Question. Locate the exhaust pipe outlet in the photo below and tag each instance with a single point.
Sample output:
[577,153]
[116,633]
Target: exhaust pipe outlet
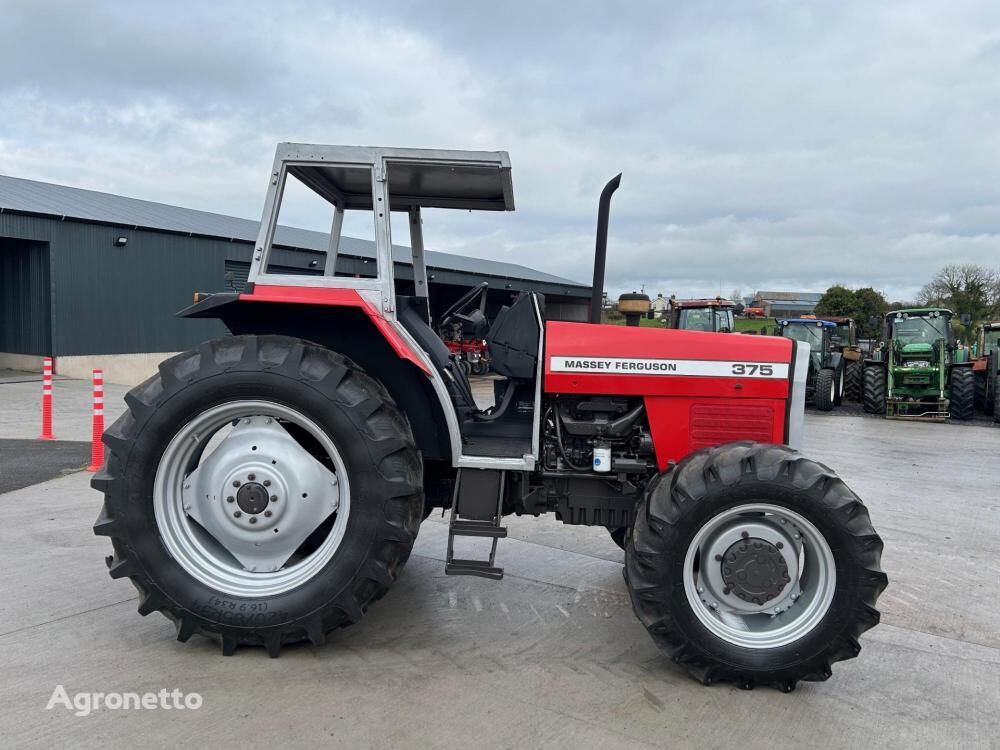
[601,249]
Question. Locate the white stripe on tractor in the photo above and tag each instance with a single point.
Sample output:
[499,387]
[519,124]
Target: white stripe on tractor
[678,367]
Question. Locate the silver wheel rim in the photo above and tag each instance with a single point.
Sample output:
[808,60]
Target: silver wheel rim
[784,618]
[205,521]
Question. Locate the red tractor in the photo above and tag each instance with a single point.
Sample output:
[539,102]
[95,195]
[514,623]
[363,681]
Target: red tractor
[267,487]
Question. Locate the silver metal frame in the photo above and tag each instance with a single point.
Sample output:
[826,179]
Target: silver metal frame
[380,291]
[797,409]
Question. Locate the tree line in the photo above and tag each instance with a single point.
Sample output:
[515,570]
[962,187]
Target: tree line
[962,288]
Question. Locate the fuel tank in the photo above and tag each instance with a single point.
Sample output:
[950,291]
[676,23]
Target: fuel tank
[700,389]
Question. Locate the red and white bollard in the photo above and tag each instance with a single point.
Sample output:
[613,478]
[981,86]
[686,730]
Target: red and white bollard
[96,446]
[47,400]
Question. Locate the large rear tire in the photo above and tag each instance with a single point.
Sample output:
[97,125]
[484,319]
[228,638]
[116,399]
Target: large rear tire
[962,393]
[996,399]
[873,398]
[826,390]
[982,403]
[255,566]
[749,563]
[853,383]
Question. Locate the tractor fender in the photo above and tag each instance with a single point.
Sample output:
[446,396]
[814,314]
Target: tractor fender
[344,322]
[836,361]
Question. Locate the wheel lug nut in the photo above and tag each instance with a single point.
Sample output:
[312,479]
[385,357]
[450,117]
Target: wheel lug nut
[267,513]
[237,514]
[718,558]
[745,534]
[236,483]
[779,545]
[253,519]
[230,499]
[251,477]
[274,498]
[267,482]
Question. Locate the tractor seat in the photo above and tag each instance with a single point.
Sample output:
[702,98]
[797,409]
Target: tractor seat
[411,312]
[512,340]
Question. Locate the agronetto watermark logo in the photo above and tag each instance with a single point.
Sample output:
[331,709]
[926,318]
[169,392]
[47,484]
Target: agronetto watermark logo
[84,704]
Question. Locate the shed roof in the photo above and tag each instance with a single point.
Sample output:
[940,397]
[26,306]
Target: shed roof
[20,195]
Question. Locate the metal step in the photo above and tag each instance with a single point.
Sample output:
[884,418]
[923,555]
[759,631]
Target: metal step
[479,568]
[476,501]
[478,528]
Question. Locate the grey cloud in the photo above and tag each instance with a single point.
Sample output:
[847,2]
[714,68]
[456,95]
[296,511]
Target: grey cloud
[769,144]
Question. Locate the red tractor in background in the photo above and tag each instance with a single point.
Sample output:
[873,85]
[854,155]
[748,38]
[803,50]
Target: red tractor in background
[267,487]
[715,314]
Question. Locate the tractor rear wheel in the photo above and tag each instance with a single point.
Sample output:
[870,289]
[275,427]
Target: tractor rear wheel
[260,490]
[962,393]
[749,563]
[996,399]
[826,390]
[873,394]
[981,397]
[852,387]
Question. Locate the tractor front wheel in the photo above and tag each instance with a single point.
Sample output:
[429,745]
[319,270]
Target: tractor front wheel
[260,490]
[962,393]
[826,390]
[873,396]
[749,563]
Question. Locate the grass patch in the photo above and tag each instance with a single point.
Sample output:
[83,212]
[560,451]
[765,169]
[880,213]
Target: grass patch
[754,324]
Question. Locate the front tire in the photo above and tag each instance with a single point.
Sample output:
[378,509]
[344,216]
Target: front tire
[962,393]
[853,380]
[252,412]
[873,399]
[791,603]
[826,390]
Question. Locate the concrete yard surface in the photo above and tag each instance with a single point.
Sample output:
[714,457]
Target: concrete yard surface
[551,656]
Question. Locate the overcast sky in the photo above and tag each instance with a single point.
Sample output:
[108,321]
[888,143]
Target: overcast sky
[763,145]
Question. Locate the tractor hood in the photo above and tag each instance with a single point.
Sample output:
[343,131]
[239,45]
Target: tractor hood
[621,360]
[699,388]
[911,350]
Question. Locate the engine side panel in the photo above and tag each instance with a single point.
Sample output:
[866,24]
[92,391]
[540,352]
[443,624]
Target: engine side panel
[700,389]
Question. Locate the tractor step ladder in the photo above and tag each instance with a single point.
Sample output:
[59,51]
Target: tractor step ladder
[476,511]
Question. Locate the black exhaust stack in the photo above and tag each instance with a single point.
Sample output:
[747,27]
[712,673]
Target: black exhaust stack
[601,250]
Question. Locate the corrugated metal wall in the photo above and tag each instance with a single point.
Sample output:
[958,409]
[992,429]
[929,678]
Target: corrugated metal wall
[121,300]
[25,322]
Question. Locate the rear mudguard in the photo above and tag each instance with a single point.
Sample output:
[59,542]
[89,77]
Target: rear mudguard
[344,321]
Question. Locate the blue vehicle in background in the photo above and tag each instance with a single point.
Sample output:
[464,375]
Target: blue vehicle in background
[826,379]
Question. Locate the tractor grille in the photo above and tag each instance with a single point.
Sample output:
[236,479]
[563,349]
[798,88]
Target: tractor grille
[916,380]
[715,424]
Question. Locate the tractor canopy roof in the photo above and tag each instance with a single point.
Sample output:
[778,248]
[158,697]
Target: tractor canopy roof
[428,178]
[920,312]
[698,303]
[807,322]
[991,325]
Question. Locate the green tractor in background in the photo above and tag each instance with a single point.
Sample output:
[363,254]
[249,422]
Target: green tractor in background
[918,371]
[826,381]
[986,366]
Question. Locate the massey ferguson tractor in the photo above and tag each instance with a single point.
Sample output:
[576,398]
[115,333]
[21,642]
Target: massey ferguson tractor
[918,372]
[266,488]
[702,315]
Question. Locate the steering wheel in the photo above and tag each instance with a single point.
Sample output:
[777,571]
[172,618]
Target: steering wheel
[458,310]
